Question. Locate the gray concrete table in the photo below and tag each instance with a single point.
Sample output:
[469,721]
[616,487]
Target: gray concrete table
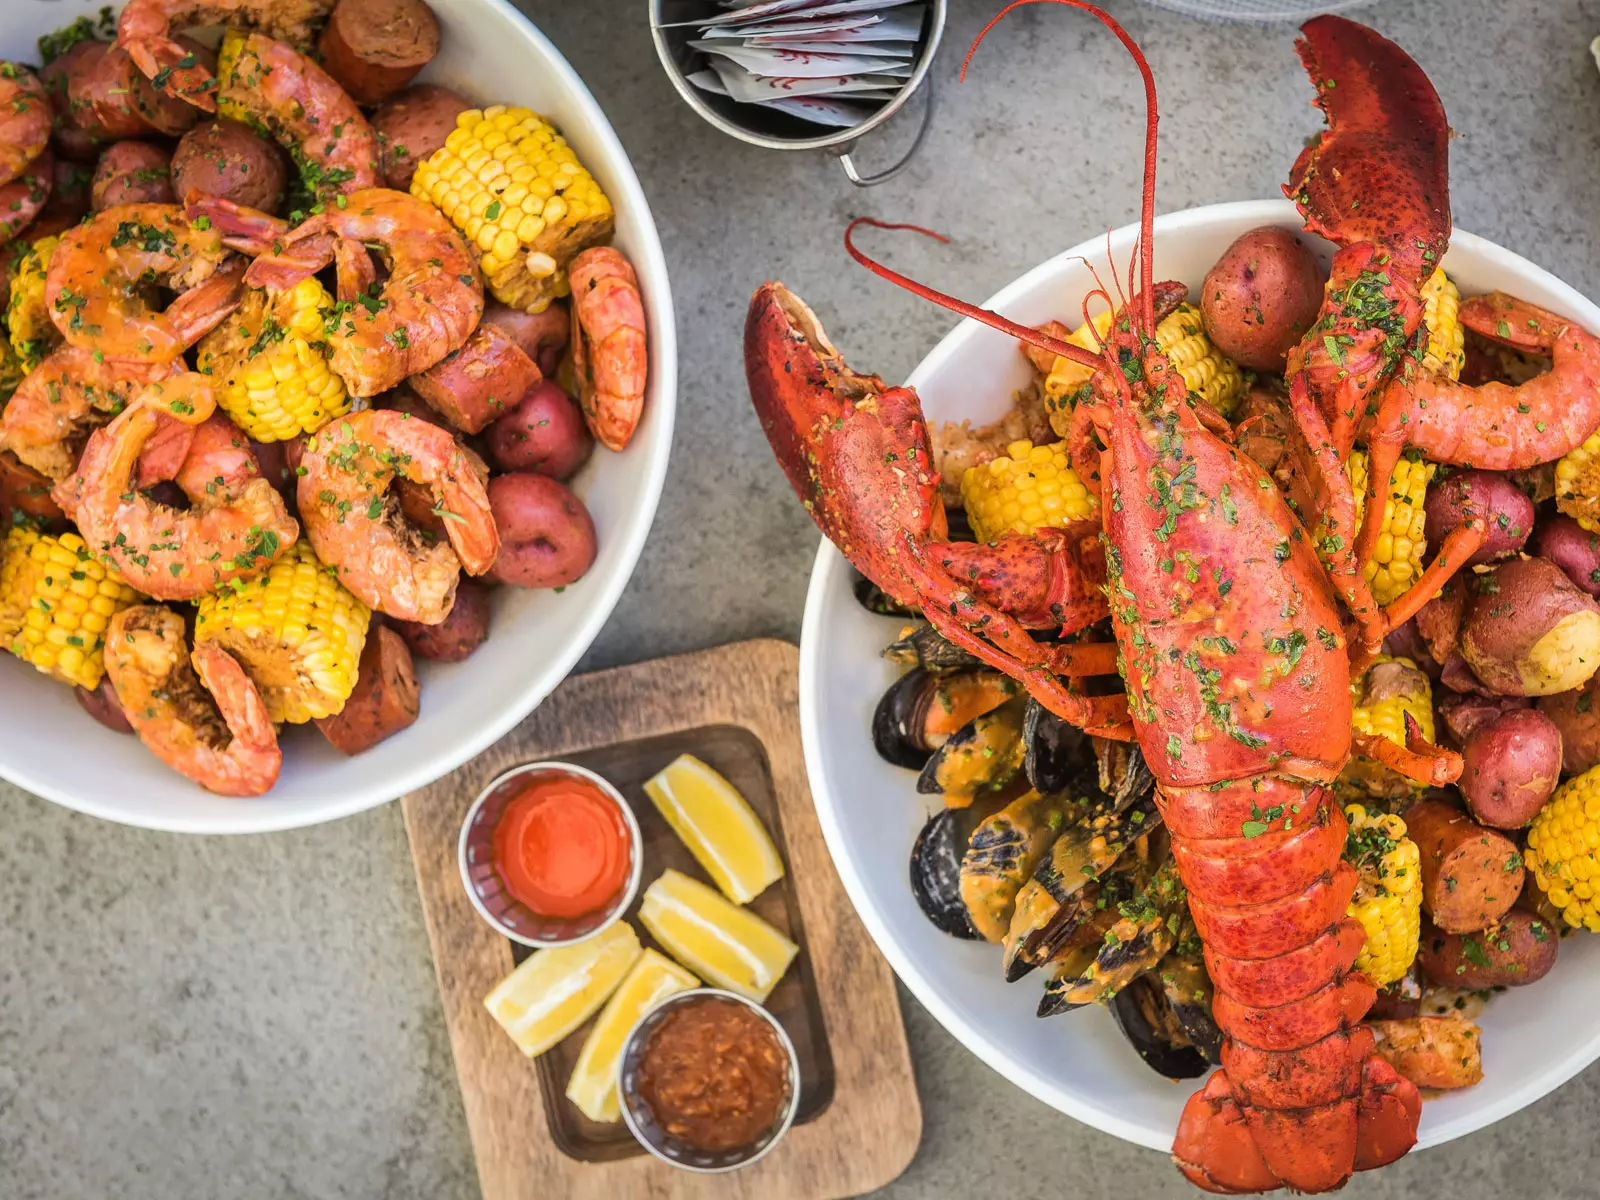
[210,1018]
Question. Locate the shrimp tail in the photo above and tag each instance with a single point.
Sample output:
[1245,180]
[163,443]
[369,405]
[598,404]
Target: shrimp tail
[247,230]
[237,699]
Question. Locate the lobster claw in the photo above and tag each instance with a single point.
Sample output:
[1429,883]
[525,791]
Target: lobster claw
[1380,172]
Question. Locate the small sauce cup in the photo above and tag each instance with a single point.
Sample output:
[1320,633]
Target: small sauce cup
[641,1120]
[487,890]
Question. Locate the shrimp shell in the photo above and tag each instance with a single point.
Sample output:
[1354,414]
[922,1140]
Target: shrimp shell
[609,354]
[24,119]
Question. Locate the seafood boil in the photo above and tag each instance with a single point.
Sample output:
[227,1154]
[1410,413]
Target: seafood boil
[292,371]
[1217,745]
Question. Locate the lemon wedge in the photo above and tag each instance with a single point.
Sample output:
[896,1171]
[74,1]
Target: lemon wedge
[718,826]
[593,1087]
[729,945]
[556,990]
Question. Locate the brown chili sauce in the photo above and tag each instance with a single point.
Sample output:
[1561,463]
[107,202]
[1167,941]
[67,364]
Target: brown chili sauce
[715,1075]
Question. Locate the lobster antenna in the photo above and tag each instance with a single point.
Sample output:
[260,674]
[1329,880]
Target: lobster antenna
[1147,204]
[992,319]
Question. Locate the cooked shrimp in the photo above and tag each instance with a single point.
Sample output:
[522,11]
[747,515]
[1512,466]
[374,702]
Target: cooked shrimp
[24,119]
[355,525]
[235,527]
[276,88]
[99,276]
[428,306]
[609,354]
[65,398]
[24,197]
[146,30]
[206,721]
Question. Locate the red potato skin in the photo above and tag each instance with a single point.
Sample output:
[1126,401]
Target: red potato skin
[1519,950]
[1511,765]
[1261,297]
[99,96]
[1439,621]
[131,173]
[373,48]
[1488,494]
[544,432]
[1577,715]
[102,704]
[478,382]
[461,632]
[386,699]
[543,336]
[1471,876]
[411,126]
[547,537]
[1509,612]
[1572,548]
[223,158]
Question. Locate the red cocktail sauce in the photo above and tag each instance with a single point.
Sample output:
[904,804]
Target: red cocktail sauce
[561,847]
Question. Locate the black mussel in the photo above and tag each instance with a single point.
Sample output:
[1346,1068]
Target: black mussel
[925,646]
[1144,931]
[936,871]
[1146,1019]
[1056,750]
[1001,855]
[1188,991]
[923,709]
[1123,771]
[960,527]
[875,600]
[983,756]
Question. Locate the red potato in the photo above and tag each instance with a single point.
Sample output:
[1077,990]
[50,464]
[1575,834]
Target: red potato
[1439,620]
[1577,715]
[1403,641]
[375,47]
[100,97]
[411,126]
[459,634]
[543,336]
[102,704]
[1511,765]
[543,432]
[546,534]
[1470,875]
[1487,494]
[1460,715]
[1529,631]
[223,158]
[1261,297]
[1432,1052]
[478,382]
[386,700]
[131,173]
[1572,548]
[1519,950]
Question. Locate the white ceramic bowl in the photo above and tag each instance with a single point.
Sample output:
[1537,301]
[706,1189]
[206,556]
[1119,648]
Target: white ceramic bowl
[1534,1038]
[49,746]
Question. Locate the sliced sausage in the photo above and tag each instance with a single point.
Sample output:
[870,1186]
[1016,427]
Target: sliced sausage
[412,126]
[542,336]
[478,382]
[1518,950]
[131,173]
[1471,876]
[223,158]
[375,47]
[387,697]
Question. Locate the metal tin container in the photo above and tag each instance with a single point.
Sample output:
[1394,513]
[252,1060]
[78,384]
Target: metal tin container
[778,131]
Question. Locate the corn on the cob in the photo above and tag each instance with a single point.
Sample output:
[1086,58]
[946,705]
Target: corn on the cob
[1578,483]
[1564,850]
[1397,558]
[1205,370]
[1380,700]
[1027,488]
[296,631]
[513,186]
[1388,897]
[1446,352]
[269,359]
[33,334]
[56,602]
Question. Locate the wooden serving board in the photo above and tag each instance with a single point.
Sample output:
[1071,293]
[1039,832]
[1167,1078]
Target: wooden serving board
[860,1119]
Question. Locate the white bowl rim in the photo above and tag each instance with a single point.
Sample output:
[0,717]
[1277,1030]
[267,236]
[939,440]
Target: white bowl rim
[263,817]
[829,563]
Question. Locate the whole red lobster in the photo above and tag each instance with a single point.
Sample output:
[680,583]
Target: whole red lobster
[1229,634]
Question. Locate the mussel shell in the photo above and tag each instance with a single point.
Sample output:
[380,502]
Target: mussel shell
[1057,751]
[875,600]
[984,755]
[897,717]
[1188,991]
[925,646]
[936,871]
[1146,1020]
[1001,856]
